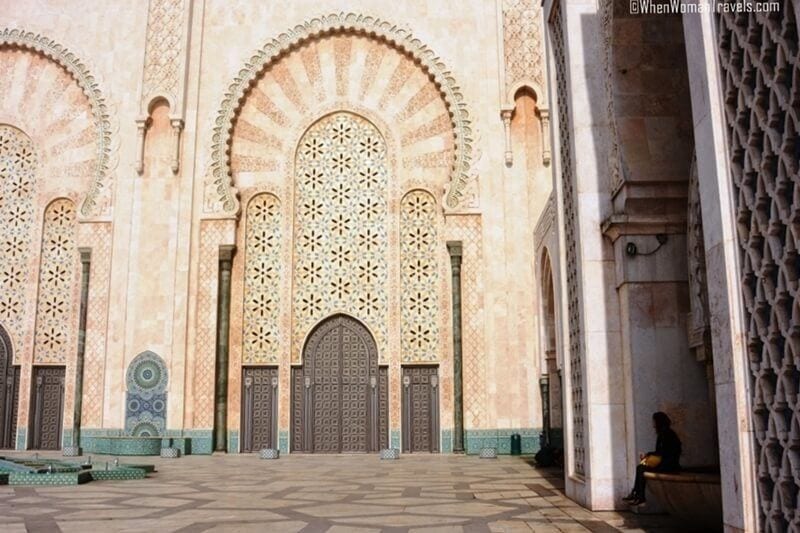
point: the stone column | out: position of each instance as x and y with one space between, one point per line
454 248
223 327
86 258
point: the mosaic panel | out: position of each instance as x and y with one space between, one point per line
262 281
570 235
58 282
758 55
146 399
18 163
419 244
341 226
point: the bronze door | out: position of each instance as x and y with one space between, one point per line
259 408
9 393
338 393
48 407
420 409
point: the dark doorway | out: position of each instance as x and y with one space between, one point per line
420 409
9 393
48 407
339 394
259 408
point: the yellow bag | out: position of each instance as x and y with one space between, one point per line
651 461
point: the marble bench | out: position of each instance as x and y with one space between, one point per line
693 495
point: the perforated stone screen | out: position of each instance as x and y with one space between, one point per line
758 54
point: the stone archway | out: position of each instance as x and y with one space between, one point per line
339 400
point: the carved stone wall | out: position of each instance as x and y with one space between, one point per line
162 64
18 167
341 226
758 55
468 230
522 42
59 276
571 241
419 244
99 241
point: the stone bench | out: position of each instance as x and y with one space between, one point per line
693 495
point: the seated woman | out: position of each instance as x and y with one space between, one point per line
665 458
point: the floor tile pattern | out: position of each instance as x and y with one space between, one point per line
334 494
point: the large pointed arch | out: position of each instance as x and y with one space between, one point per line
97 199
224 196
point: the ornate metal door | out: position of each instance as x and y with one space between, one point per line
339 396
259 407
420 409
9 393
48 407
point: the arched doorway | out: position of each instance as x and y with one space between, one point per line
9 392
339 403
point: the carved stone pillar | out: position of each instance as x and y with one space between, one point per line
223 329
455 250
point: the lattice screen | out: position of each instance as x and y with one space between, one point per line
419 244
758 53
570 223
341 236
18 164
58 279
262 280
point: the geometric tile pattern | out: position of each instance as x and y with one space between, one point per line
146 398
468 230
212 233
347 493
262 280
570 236
99 240
341 236
58 282
758 55
419 244
18 166
522 41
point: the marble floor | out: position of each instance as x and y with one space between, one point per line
336 494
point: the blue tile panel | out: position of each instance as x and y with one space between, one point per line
202 440
475 439
395 438
447 441
233 441
22 438
283 441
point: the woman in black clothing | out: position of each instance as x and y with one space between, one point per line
665 458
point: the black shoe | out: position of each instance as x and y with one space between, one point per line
637 501
629 498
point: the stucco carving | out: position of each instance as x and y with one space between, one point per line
98 198
395 36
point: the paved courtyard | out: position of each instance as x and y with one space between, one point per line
336 494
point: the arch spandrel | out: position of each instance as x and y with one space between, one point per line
63 109
376 65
